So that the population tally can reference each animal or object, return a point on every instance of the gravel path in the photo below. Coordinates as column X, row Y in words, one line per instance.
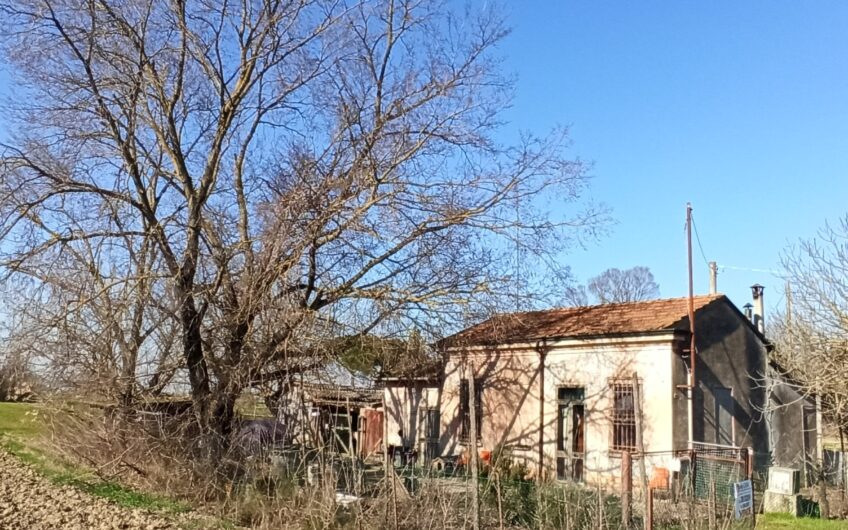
column 29, row 501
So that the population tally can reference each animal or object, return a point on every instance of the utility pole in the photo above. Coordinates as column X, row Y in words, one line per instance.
column 691, row 389
column 713, row 278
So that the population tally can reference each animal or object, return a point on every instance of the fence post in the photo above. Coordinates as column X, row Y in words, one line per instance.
column 690, row 498
column 472, row 442
column 500, row 502
column 640, row 442
column 600, row 509
column 649, row 511
column 711, row 506
column 753, row 492
column 626, row 487
column 693, row 471
column 824, row 505
column 386, row 458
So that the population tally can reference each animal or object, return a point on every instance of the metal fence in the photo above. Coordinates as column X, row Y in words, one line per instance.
column 708, row 465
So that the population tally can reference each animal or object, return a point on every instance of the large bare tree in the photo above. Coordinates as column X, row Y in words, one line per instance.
column 812, row 334
column 261, row 175
column 629, row 285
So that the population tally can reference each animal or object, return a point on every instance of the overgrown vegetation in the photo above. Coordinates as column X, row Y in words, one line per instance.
column 22, row 430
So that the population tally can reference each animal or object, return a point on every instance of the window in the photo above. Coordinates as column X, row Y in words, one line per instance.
column 465, row 407
column 623, row 417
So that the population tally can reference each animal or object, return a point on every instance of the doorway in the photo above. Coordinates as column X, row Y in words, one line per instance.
column 571, row 428
column 429, row 425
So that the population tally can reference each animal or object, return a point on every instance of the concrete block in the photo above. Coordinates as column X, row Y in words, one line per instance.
column 774, row 502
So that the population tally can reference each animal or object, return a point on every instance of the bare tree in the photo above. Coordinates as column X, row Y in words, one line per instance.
column 260, row 176
column 630, row 285
column 812, row 336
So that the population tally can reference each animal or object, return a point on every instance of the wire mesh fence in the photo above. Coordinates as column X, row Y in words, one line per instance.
column 697, row 494
column 709, row 466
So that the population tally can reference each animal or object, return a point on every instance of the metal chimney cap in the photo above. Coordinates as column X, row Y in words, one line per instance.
column 757, row 290
column 748, row 306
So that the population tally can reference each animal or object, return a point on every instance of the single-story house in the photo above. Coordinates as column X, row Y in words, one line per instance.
column 558, row 388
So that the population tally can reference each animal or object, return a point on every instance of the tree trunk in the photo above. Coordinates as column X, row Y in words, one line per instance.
column 198, row 372
column 223, row 416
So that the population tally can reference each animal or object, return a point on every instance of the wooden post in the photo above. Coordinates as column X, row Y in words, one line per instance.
column 842, row 467
column 394, row 500
column 640, row 443
column 693, row 472
column 350, row 450
column 649, row 510
column 600, row 509
column 385, row 438
column 711, row 506
column 386, row 464
column 500, row 502
column 472, row 443
column 387, row 467
column 543, row 351
column 626, row 488
column 824, row 504
column 753, row 493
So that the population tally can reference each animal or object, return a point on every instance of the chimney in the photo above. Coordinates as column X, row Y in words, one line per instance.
column 749, row 311
column 713, row 278
column 759, row 315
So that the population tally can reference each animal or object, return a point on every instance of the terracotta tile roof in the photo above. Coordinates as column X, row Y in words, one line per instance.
column 590, row 321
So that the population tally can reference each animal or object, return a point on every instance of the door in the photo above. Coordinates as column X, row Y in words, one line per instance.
column 571, row 429
column 429, row 426
column 370, row 431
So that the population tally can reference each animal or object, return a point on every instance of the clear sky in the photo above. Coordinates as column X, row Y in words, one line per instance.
column 739, row 107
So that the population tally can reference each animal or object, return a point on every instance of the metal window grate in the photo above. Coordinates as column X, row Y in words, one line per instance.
column 623, row 417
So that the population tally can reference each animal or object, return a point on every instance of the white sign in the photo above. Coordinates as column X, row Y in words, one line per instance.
column 783, row 480
column 743, row 493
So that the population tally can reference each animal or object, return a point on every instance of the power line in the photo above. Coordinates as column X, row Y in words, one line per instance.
column 698, row 238
column 749, row 269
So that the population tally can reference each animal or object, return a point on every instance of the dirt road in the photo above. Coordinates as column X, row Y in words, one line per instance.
column 29, row 501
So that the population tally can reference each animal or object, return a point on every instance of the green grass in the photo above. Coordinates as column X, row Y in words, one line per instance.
column 21, row 426
column 779, row 521
column 20, row 420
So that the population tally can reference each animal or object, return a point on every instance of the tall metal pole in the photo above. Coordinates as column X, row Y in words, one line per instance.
column 692, row 355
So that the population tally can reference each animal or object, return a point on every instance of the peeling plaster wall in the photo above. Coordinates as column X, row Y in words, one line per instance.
column 404, row 403
column 511, row 408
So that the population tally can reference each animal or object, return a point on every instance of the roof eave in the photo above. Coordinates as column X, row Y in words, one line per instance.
column 568, row 340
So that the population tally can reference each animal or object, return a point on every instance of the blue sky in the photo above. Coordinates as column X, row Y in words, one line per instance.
column 739, row 107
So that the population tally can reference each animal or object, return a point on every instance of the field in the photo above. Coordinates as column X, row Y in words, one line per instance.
column 21, row 428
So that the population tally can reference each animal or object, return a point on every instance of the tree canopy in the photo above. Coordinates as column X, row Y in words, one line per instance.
column 206, row 192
